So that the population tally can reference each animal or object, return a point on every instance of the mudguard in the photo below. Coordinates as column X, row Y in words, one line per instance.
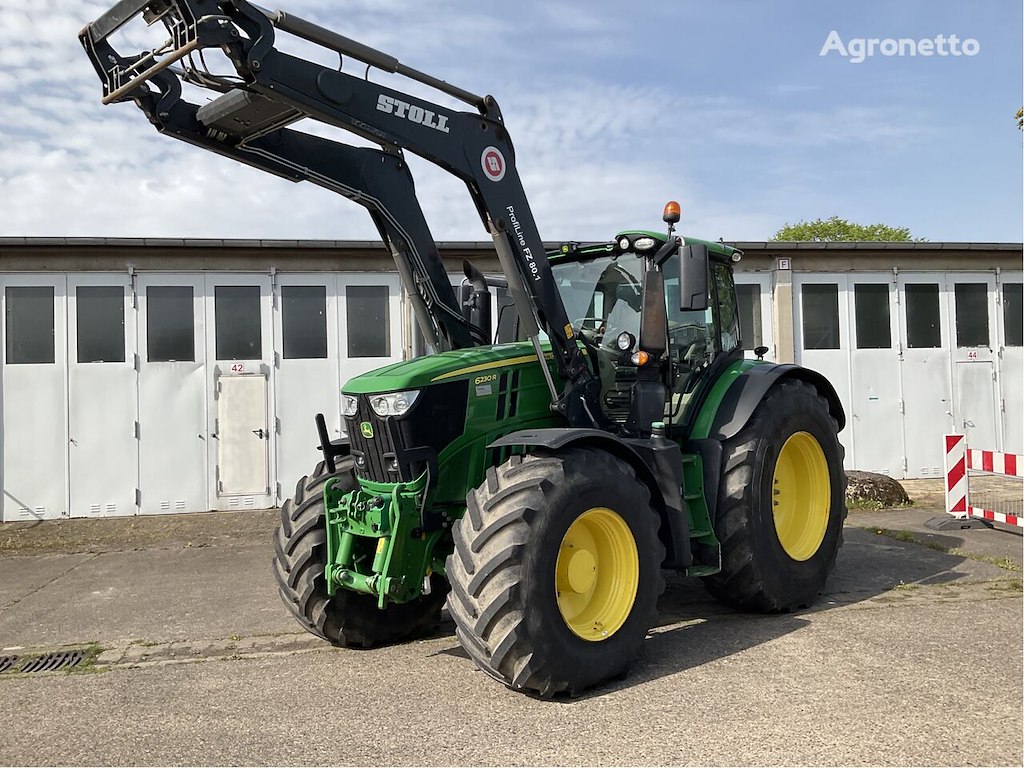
column 737, row 407
column 658, row 464
column 749, row 389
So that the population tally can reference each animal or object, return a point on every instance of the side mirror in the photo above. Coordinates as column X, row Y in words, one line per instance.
column 693, row 278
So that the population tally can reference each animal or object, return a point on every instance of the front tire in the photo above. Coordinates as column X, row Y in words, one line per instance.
column 348, row 618
column 556, row 571
column 781, row 503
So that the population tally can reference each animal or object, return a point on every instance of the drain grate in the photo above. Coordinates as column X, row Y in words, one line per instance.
column 47, row 662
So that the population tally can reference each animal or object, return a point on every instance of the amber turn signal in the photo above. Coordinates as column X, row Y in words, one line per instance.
column 640, row 358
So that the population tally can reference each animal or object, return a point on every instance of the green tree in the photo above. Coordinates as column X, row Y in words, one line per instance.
column 836, row 230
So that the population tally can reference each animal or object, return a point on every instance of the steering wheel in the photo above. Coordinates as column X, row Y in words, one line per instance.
column 592, row 334
column 689, row 344
column 580, row 323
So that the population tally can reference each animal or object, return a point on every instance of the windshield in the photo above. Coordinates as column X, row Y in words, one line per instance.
column 602, row 297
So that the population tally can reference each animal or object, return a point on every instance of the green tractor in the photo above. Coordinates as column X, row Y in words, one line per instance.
column 538, row 485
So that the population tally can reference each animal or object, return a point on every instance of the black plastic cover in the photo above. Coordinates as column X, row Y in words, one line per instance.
column 242, row 114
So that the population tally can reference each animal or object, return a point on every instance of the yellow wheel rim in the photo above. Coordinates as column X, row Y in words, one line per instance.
column 597, row 574
column 801, row 496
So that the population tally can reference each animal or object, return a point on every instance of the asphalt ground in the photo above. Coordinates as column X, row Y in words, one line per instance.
column 911, row 657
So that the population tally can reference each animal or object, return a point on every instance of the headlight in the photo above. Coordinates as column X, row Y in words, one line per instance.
column 623, row 243
column 393, row 404
column 644, row 243
column 348, row 405
column 625, row 341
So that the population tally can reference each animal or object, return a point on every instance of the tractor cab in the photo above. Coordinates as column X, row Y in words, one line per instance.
column 602, row 288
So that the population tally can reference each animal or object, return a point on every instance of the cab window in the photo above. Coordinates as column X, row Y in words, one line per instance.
column 723, row 298
column 697, row 337
column 603, row 298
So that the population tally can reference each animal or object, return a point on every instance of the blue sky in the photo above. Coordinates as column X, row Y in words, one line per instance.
column 614, row 108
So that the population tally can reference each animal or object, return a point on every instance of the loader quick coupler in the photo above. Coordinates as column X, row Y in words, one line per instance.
column 375, row 541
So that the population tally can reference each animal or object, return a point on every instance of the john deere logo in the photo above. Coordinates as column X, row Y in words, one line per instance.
column 367, row 429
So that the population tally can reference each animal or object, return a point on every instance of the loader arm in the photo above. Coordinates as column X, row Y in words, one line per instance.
column 377, row 180
column 274, row 89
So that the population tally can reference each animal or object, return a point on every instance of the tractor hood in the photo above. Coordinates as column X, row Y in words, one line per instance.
column 446, row 366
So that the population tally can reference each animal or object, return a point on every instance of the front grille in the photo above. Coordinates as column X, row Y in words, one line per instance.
column 409, row 444
column 372, row 454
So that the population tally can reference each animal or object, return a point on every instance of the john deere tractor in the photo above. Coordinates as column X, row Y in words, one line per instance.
column 538, row 486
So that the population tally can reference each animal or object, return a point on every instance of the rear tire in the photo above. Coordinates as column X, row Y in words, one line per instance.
column 556, row 571
column 349, row 618
column 781, row 503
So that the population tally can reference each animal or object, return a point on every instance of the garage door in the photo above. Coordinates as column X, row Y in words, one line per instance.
column 34, row 433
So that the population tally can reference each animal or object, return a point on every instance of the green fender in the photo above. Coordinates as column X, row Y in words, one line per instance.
column 731, row 403
column 727, row 411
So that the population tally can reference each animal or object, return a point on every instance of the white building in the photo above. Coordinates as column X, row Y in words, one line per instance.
column 919, row 340
column 155, row 376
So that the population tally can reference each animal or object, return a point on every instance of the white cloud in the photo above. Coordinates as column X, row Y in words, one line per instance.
column 74, row 168
column 597, row 152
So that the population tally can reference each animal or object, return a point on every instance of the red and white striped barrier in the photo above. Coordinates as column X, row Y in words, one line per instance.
column 959, row 459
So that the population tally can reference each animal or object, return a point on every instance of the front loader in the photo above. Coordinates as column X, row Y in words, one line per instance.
column 539, row 486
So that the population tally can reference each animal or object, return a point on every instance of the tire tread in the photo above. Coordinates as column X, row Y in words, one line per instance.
column 485, row 570
column 300, row 555
column 742, row 581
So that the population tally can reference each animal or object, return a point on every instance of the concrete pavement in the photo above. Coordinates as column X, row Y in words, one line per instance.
column 913, row 655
